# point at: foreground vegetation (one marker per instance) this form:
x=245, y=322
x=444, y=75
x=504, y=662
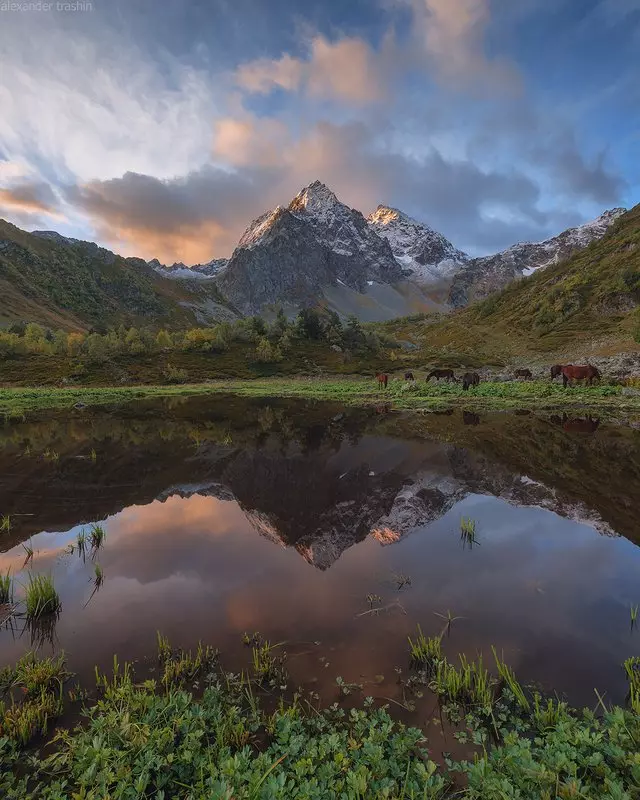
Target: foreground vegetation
x=400, y=394
x=155, y=739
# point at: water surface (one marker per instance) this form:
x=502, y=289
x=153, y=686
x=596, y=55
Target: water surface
x=300, y=520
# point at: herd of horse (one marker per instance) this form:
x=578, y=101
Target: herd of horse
x=569, y=372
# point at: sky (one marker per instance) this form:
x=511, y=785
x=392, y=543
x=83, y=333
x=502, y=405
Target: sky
x=161, y=129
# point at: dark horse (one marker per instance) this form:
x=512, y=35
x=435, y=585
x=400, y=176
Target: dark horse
x=586, y=372
x=556, y=370
x=470, y=379
x=383, y=380
x=447, y=374
x=408, y=376
x=469, y=418
x=524, y=373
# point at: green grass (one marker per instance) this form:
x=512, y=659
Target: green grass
x=510, y=681
x=425, y=652
x=468, y=531
x=41, y=597
x=98, y=575
x=537, y=395
x=5, y=523
x=231, y=741
x=6, y=588
x=97, y=536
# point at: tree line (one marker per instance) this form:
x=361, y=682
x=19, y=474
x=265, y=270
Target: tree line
x=269, y=341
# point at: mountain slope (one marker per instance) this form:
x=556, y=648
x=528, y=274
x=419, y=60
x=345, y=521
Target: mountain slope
x=289, y=255
x=482, y=276
x=586, y=305
x=426, y=254
x=63, y=282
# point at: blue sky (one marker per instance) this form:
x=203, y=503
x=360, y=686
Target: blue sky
x=162, y=129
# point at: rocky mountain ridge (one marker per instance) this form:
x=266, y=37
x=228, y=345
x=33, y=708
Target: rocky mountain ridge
x=482, y=276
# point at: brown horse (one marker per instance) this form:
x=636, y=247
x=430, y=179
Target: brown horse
x=470, y=379
x=524, y=373
x=556, y=370
x=408, y=376
x=383, y=380
x=586, y=372
x=446, y=374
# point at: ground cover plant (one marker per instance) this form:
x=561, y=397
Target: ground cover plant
x=156, y=738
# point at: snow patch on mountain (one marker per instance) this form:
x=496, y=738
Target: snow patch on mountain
x=180, y=271
x=426, y=254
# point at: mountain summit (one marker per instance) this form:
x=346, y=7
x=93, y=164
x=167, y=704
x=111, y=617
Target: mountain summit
x=425, y=253
x=290, y=255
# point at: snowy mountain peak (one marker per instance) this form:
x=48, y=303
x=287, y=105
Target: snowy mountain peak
x=316, y=199
x=425, y=253
x=260, y=227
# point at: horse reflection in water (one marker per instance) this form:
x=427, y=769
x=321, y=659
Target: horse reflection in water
x=469, y=418
x=587, y=424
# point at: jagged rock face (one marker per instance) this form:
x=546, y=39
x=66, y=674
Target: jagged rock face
x=179, y=270
x=482, y=276
x=290, y=254
x=425, y=254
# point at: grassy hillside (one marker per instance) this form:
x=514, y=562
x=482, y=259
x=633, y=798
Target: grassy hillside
x=590, y=304
x=77, y=286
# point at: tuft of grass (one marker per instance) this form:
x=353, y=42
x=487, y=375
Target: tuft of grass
x=5, y=523
x=468, y=532
x=182, y=666
x=28, y=549
x=6, y=588
x=41, y=597
x=633, y=611
x=98, y=575
x=510, y=681
x=268, y=668
x=426, y=653
x=22, y=721
x=93, y=455
x=35, y=674
x=82, y=542
x=97, y=536
x=547, y=716
x=632, y=670
x=469, y=684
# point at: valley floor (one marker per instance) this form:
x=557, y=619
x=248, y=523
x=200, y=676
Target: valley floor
x=400, y=394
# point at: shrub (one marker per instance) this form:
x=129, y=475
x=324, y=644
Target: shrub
x=175, y=374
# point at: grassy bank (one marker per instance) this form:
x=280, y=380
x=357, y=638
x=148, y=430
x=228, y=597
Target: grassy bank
x=535, y=395
x=247, y=736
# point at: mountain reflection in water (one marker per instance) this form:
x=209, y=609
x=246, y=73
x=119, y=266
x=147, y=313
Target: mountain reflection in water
x=212, y=509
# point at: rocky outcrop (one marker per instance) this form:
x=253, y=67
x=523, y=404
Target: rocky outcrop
x=483, y=276
x=291, y=254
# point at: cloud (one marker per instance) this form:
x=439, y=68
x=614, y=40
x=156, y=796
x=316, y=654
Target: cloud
x=203, y=214
x=242, y=142
x=31, y=197
x=83, y=107
x=347, y=70
x=264, y=74
x=452, y=33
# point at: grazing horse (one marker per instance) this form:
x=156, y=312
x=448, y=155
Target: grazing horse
x=383, y=380
x=469, y=418
x=447, y=374
x=556, y=370
x=408, y=376
x=524, y=373
x=586, y=372
x=470, y=379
